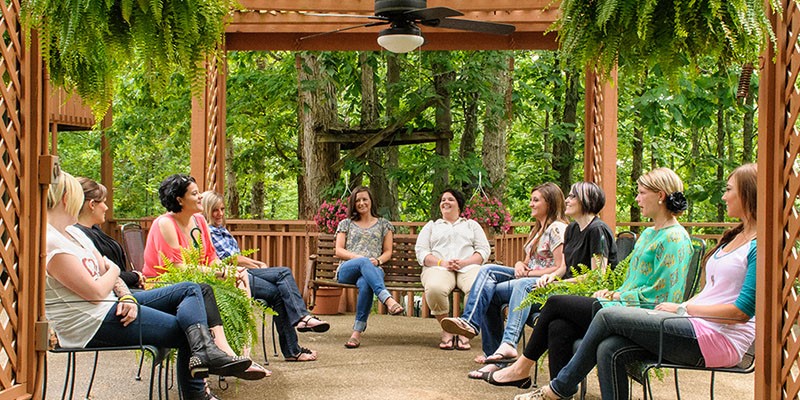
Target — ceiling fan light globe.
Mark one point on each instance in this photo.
(400, 43)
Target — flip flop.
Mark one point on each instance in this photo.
(458, 326)
(254, 373)
(502, 360)
(302, 326)
(461, 345)
(396, 309)
(352, 343)
(297, 358)
(448, 344)
(482, 374)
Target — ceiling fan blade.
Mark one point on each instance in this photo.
(311, 14)
(472, 26)
(344, 29)
(433, 13)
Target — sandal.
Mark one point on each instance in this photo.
(448, 344)
(396, 309)
(254, 373)
(303, 325)
(458, 326)
(499, 358)
(304, 355)
(483, 372)
(462, 345)
(352, 343)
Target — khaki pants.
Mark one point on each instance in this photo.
(439, 284)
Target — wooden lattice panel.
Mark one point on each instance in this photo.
(790, 58)
(597, 134)
(11, 60)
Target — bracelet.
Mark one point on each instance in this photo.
(439, 263)
(128, 297)
(378, 259)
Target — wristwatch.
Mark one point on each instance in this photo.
(681, 310)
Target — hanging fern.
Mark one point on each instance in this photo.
(637, 34)
(85, 43)
(589, 281)
(235, 307)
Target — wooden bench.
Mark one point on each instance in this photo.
(402, 272)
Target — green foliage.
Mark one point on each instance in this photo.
(88, 43)
(235, 307)
(639, 34)
(587, 283)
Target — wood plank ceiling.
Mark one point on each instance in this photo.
(280, 25)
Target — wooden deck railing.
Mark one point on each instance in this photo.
(289, 243)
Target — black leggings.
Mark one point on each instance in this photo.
(212, 311)
(562, 321)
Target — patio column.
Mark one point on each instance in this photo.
(777, 304)
(600, 146)
(208, 127)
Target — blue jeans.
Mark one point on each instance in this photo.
(164, 315)
(482, 292)
(509, 293)
(276, 286)
(369, 279)
(618, 335)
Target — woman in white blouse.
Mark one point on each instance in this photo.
(451, 251)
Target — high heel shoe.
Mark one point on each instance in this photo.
(523, 383)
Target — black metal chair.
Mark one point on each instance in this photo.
(160, 363)
(625, 241)
(264, 336)
(746, 366)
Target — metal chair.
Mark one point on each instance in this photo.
(626, 240)
(263, 333)
(133, 241)
(160, 363)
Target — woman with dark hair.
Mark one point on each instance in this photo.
(364, 242)
(656, 273)
(451, 251)
(89, 306)
(92, 214)
(274, 285)
(719, 333)
(498, 285)
(183, 226)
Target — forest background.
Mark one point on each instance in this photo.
(515, 120)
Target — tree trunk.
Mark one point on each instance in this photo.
(637, 163)
(317, 114)
(470, 134)
(392, 153)
(563, 145)
(748, 129)
(443, 77)
(231, 193)
(257, 200)
(721, 134)
(498, 119)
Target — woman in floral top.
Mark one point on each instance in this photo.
(498, 285)
(364, 242)
(656, 273)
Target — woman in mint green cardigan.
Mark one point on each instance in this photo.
(656, 273)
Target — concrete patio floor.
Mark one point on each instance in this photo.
(398, 359)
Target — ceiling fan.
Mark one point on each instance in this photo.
(403, 18)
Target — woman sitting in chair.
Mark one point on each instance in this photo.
(274, 285)
(719, 327)
(363, 243)
(451, 251)
(656, 273)
(183, 226)
(89, 306)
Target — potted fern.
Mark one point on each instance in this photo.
(235, 306)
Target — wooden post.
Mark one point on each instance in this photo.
(208, 128)
(772, 162)
(600, 146)
(107, 166)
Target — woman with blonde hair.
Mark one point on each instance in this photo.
(722, 323)
(89, 306)
(274, 285)
(656, 273)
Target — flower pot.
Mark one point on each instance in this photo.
(327, 301)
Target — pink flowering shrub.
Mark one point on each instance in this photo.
(329, 214)
(488, 211)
